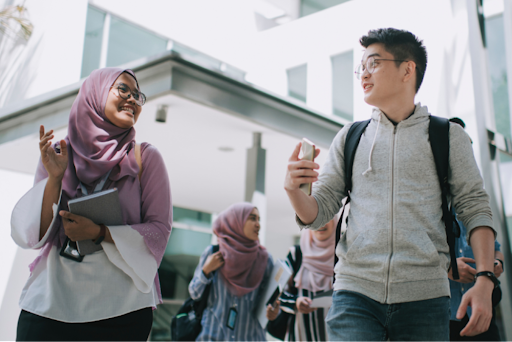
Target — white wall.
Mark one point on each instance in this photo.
(14, 266)
(51, 58)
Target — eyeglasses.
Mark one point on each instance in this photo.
(125, 93)
(370, 65)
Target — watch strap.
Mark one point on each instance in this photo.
(101, 235)
(489, 275)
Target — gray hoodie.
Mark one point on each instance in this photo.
(394, 247)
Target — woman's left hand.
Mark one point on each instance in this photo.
(78, 228)
(273, 311)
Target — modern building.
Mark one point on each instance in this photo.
(232, 86)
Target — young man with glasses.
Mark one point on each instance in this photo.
(391, 278)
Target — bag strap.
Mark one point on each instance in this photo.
(138, 158)
(439, 135)
(298, 259)
(351, 142)
(201, 304)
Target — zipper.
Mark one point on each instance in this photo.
(388, 263)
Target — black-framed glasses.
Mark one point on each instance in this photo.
(125, 93)
(370, 65)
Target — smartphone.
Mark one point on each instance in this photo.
(308, 153)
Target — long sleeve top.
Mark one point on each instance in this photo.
(394, 248)
(220, 302)
(111, 282)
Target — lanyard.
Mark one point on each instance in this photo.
(98, 187)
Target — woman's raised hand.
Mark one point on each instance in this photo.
(54, 163)
(212, 263)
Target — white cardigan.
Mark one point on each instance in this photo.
(114, 281)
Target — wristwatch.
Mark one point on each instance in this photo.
(502, 264)
(101, 235)
(489, 275)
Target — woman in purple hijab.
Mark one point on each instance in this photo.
(107, 294)
(238, 272)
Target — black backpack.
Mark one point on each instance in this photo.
(186, 325)
(439, 133)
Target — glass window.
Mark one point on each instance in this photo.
(495, 37)
(342, 85)
(297, 82)
(308, 7)
(177, 268)
(192, 217)
(127, 42)
(93, 39)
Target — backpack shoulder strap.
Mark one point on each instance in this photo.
(202, 302)
(351, 142)
(439, 136)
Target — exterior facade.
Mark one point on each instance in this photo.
(232, 86)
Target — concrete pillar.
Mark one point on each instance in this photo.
(255, 181)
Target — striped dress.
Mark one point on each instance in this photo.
(220, 302)
(292, 325)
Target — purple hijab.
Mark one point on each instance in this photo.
(95, 146)
(245, 259)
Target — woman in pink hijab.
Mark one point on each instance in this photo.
(108, 293)
(312, 262)
(238, 273)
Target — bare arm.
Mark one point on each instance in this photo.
(55, 164)
(299, 172)
(479, 296)
(482, 243)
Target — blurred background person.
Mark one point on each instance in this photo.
(244, 267)
(313, 265)
(110, 294)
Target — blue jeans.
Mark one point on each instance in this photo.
(355, 317)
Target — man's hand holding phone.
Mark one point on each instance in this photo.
(302, 171)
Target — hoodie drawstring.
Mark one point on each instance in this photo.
(371, 149)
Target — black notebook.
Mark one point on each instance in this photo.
(102, 208)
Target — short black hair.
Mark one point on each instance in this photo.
(458, 121)
(402, 45)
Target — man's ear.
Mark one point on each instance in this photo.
(410, 68)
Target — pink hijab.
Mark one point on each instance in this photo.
(245, 260)
(98, 145)
(95, 146)
(316, 271)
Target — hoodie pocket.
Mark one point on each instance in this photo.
(415, 258)
(365, 256)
